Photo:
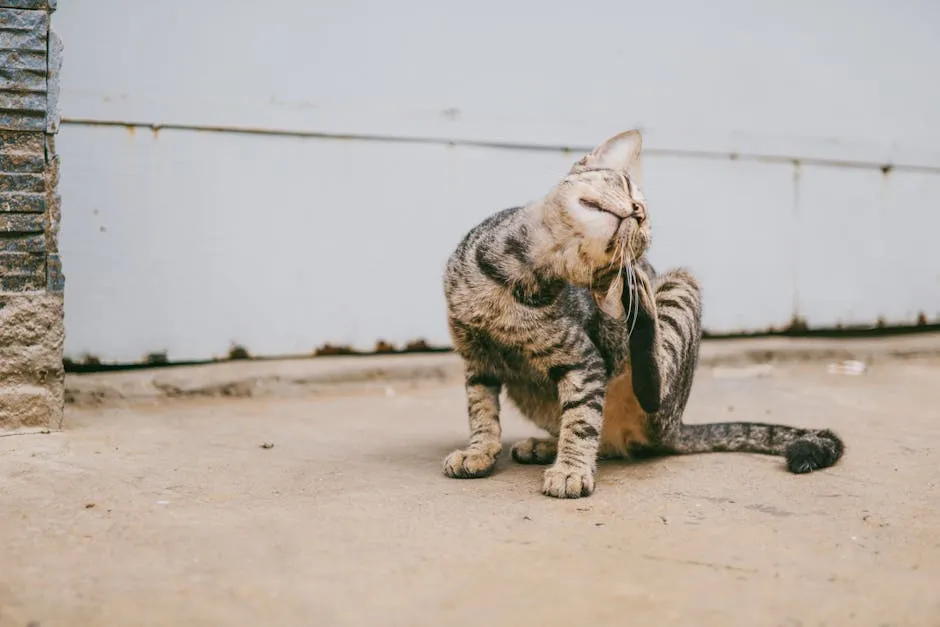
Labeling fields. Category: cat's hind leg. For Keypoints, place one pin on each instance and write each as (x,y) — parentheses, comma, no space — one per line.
(664,343)
(535,450)
(665,355)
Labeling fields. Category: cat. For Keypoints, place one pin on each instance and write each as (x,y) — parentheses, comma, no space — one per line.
(556,303)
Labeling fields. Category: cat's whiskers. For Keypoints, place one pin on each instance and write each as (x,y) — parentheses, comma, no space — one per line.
(634,299)
(629,287)
(622,261)
(634,290)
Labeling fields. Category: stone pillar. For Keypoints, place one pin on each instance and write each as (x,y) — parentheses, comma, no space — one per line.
(31,280)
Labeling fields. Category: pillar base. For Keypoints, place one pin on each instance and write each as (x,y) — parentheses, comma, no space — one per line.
(32,378)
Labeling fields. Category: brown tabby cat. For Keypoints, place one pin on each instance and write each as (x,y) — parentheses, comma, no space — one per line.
(556,302)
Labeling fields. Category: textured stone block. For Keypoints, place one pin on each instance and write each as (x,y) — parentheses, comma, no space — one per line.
(21,272)
(29,406)
(21,161)
(20,182)
(22,203)
(49,5)
(36,364)
(21,222)
(24,65)
(18,243)
(53,219)
(24,182)
(16,142)
(52,84)
(31,373)
(53,201)
(55,279)
(27,319)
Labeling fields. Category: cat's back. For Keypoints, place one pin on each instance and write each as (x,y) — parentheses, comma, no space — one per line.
(466,286)
(461,262)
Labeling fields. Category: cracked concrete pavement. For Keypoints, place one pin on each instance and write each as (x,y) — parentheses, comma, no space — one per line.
(177,513)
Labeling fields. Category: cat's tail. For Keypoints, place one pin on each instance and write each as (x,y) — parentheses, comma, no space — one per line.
(806,450)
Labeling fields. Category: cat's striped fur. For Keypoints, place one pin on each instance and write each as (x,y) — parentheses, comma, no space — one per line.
(556,304)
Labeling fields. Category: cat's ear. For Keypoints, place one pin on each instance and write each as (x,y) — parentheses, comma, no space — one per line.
(620,152)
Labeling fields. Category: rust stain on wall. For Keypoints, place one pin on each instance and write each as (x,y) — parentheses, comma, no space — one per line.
(238,352)
(159,358)
(384,347)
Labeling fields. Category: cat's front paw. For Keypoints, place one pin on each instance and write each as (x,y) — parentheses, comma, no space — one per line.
(567,482)
(469,464)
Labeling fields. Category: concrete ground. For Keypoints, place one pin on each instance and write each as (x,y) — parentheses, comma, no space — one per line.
(175,513)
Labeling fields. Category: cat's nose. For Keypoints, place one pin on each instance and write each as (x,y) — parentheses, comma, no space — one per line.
(639,212)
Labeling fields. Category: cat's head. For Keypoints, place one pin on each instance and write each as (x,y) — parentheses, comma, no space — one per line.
(597,214)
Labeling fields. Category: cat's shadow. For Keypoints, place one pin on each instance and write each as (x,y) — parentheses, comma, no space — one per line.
(429,454)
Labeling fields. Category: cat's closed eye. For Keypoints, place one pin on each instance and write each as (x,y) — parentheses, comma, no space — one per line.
(590,204)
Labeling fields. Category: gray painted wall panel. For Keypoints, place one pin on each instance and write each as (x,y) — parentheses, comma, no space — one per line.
(732,223)
(869,246)
(837,79)
(284,244)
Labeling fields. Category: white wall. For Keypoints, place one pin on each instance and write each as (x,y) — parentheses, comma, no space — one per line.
(767,126)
